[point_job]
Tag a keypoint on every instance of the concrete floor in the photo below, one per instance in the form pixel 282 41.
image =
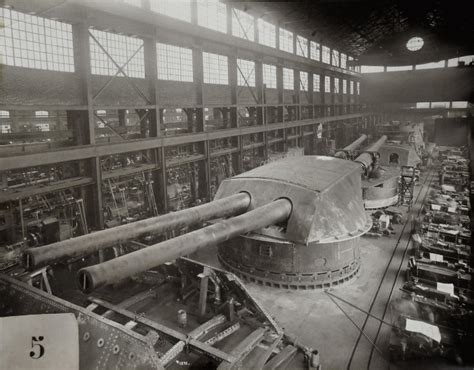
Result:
pixel 319 323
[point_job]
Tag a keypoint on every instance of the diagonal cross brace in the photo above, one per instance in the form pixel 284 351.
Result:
pixel 137 90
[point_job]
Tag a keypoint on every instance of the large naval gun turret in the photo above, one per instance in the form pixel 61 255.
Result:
pixel 153 308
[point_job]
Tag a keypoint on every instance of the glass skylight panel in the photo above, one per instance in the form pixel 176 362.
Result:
pixel 303 81
pixel 243 25
pixel 215 69
pixel 179 9
pixel 266 33
pixel 315 51
pixel 245 72
pixel 269 76
pixel 326 55
pixel 302 46
pixel 288 79
pixel 174 63
pixel 316 82
pixel 121 48
pixel 327 84
pixel 286 40
pixel 35 42
pixel 212 14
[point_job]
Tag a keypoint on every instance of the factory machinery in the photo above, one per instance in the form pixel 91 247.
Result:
pixel 435 315
pixel 289 213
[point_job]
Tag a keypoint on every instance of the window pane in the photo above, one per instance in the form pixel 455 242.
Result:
pixel 316 82
pixel 315 51
pixel 303 81
pixel 266 33
pixel 212 14
pixel 35 42
pixel 174 63
pixel 245 72
pixel 121 49
pixel 179 9
pixel 269 76
pixel 302 46
pixel 286 40
pixel 243 25
pixel 215 69
pixel 288 79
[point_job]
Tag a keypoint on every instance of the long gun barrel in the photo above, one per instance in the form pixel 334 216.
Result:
pixel 144 259
pixel 86 244
pixel 352 146
pixel 365 159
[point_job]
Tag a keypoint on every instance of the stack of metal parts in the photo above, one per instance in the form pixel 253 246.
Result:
pixel 436 313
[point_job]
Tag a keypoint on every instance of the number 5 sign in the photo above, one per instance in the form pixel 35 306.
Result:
pixel 39 342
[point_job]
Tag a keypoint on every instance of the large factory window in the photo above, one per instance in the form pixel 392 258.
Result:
pixel 215 69
pixel 266 33
pixel 286 40
pixel 35 42
pixel 243 25
pixel 288 79
pixel 303 81
pixel 399 68
pixel 336 85
pixel 371 69
pixel 301 46
pixel 358 88
pixel 327 84
pixel 41 113
pixel 335 58
pixel 351 87
pixel 121 49
pixel 316 82
pixel 459 104
pixel 179 9
pixel 465 60
pixel 212 14
pixel 343 60
pixel 315 50
pixel 174 63
pixel 269 76
pixel 344 86
pixel 245 72
pixel 326 56
pixel 439 64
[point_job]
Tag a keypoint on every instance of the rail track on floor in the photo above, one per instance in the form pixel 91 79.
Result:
pixel 363 351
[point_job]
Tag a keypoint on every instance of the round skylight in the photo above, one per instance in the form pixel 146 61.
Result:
pixel 415 44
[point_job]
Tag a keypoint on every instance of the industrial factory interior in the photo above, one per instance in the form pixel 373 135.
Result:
pixel 236 185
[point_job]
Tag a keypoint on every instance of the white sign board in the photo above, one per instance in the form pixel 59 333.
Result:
pixel 39 342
